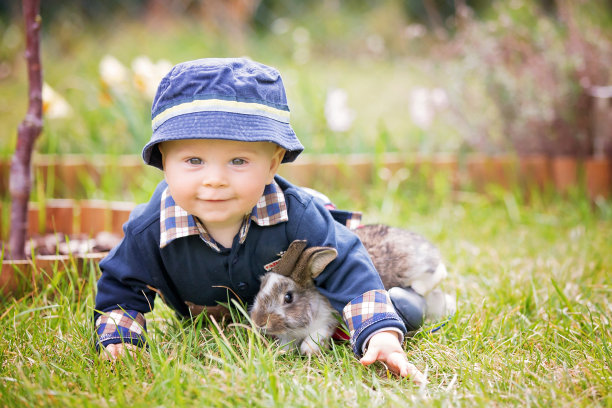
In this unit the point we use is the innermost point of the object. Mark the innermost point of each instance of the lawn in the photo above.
(530, 271)
(532, 329)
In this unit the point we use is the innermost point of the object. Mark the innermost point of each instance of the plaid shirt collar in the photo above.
(175, 222)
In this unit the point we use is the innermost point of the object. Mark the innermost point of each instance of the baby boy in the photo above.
(222, 216)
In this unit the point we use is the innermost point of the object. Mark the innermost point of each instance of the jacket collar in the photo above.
(175, 222)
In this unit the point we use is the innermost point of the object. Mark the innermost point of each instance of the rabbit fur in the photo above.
(290, 308)
(288, 305)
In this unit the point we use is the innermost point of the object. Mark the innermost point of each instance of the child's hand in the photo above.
(114, 351)
(386, 348)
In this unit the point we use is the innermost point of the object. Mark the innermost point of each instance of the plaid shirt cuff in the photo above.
(363, 314)
(350, 219)
(121, 326)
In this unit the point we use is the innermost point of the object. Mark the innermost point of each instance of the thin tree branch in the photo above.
(27, 133)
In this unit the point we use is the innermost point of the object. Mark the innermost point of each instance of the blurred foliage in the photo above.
(265, 11)
(491, 76)
(537, 71)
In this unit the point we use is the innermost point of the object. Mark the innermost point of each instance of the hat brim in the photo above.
(223, 125)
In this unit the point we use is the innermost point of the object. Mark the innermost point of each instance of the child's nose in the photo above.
(214, 176)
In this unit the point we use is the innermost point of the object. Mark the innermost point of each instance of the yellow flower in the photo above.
(147, 74)
(53, 104)
(112, 73)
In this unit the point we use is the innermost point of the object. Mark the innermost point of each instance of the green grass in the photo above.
(532, 276)
(532, 329)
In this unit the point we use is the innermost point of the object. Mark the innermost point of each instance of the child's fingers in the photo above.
(114, 351)
(369, 357)
(109, 352)
(399, 364)
(415, 375)
(406, 369)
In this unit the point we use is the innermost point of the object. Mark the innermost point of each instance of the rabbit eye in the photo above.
(288, 297)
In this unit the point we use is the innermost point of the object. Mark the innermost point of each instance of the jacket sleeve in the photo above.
(350, 282)
(125, 293)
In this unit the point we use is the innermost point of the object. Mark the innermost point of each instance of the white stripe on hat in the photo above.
(220, 105)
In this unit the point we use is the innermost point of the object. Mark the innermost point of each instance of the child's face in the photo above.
(219, 181)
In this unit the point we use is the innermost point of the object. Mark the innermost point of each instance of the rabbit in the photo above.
(289, 306)
(405, 259)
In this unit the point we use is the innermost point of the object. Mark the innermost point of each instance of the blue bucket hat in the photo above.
(217, 98)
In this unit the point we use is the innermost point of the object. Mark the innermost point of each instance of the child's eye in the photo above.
(194, 161)
(238, 162)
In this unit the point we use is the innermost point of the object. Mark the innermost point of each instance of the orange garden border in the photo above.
(69, 175)
(68, 217)
(71, 217)
(18, 277)
(472, 171)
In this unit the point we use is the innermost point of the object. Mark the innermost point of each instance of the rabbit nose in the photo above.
(268, 322)
(259, 320)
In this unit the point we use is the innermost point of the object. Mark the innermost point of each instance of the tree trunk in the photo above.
(27, 133)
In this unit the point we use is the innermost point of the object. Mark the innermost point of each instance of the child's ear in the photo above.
(163, 157)
(277, 158)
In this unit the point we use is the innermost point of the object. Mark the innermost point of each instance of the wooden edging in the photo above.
(68, 216)
(472, 171)
(69, 175)
(21, 276)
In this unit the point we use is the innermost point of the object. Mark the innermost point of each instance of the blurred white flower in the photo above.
(438, 98)
(414, 31)
(301, 35)
(147, 74)
(53, 104)
(375, 44)
(424, 103)
(301, 55)
(301, 40)
(113, 73)
(339, 116)
(421, 112)
(280, 26)
(505, 20)
(516, 4)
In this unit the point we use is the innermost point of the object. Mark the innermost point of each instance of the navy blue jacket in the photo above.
(187, 269)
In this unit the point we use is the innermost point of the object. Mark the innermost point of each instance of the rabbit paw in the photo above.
(424, 283)
(309, 347)
(440, 305)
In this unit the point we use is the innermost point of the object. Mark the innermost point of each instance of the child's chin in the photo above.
(220, 221)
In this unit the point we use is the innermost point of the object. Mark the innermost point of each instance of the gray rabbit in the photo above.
(289, 306)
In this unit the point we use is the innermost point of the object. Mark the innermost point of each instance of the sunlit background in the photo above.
(431, 82)
(409, 76)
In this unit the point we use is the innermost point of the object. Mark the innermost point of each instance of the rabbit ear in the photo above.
(312, 262)
(319, 259)
(286, 264)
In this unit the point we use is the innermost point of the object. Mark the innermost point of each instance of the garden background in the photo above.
(396, 102)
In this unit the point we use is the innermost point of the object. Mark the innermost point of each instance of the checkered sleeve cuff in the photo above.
(368, 313)
(121, 326)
